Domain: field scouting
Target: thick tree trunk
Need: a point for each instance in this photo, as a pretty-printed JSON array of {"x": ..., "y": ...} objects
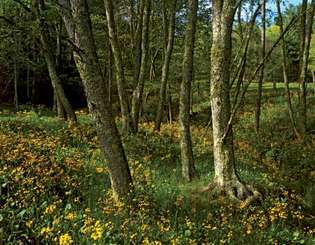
[
  {"x": 138, "y": 92},
  {"x": 187, "y": 160},
  {"x": 225, "y": 179},
  {"x": 121, "y": 81},
  {"x": 110, "y": 74},
  {"x": 285, "y": 75},
  {"x": 261, "y": 77},
  {"x": 166, "y": 66},
  {"x": 304, "y": 67},
  {"x": 78, "y": 26}
]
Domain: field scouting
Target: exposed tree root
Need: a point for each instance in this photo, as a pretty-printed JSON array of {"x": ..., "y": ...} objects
[{"x": 236, "y": 191}]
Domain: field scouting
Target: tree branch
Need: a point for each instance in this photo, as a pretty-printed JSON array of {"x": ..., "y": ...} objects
[{"x": 237, "y": 103}]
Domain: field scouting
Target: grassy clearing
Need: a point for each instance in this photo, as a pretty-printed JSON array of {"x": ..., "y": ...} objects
[{"x": 54, "y": 185}]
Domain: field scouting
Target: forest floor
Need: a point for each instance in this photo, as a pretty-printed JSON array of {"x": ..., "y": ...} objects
[{"x": 54, "y": 186}]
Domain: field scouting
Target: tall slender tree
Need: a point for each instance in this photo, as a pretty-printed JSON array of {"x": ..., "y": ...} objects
[
  {"x": 77, "y": 20},
  {"x": 187, "y": 160},
  {"x": 285, "y": 74},
  {"x": 263, "y": 53},
  {"x": 304, "y": 64},
  {"x": 120, "y": 74},
  {"x": 138, "y": 91},
  {"x": 166, "y": 65},
  {"x": 63, "y": 104}
]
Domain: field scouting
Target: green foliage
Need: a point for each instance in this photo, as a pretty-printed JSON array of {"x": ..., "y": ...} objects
[{"x": 55, "y": 185}]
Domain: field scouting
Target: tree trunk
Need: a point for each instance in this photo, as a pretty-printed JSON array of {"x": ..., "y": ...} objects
[
  {"x": 78, "y": 25},
  {"x": 62, "y": 100},
  {"x": 304, "y": 67},
  {"x": 137, "y": 42},
  {"x": 16, "y": 74},
  {"x": 110, "y": 74},
  {"x": 285, "y": 76},
  {"x": 166, "y": 66},
  {"x": 261, "y": 77},
  {"x": 187, "y": 159},
  {"x": 120, "y": 74},
  {"x": 302, "y": 33},
  {"x": 225, "y": 179},
  {"x": 138, "y": 92}
]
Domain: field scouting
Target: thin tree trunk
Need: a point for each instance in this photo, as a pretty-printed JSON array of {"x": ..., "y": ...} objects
[
  {"x": 261, "y": 77},
  {"x": 302, "y": 33},
  {"x": 187, "y": 159},
  {"x": 16, "y": 77},
  {"x": 138, "y": 92},
  {"x": 304, "y": 67},
  {"x": 62, "y": 99},
  {"x": 285, "y": 76},
  {"x": 166, "y": 66},
  {"x": 121, "y": 81},
  {"x": 137, "y": 44},
  {"x": 78, "y": 25}
]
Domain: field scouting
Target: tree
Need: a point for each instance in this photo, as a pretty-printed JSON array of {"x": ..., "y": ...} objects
[
  {"x": 187, "y": 160},
  {"x": 77, "y": 20},
  {"x": 62, "y": 100},
  {"x": 304, "y": 65},
  {"x": 285, "y": 74},
  {"x": 121, "y": 81},
  {"x": 138, "y": 91},
  {"x": 263, "y": 53},
  {"x": 166, "y": 64},
  {"x": 225, "y": 179}
]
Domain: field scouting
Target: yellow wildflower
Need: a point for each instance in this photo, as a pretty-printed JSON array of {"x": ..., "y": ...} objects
[
  {"x": 98, "y": 231},
  {"x": 71, "y": 216},
  {"x": 65, "y": 239},
  {"x": 50, "y": 209}
]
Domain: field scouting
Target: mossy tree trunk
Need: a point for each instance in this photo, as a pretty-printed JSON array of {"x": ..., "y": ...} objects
[
  {"x": 78, "y": 23},
  {"x": 121, "y": 81},
  {"x": 225, "y": 179},
  {"x": 187, "y": 160}
]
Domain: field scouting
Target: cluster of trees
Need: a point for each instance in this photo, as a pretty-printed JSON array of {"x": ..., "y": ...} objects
[{"x": 121, "y": 47}]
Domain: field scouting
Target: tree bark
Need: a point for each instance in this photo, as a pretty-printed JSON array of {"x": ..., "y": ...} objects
[
  {"x": 304, "y": 67},
  {"x": 187, "y": 159},
  {"x": 261, "y": 77},
  {"x": 138, "y": 92},
  {"x": 120, "y": 74},
  {"x": 285, "y": 75},
  {"x": 78, "y": 25},
  {"x": 225, "y": 178},
  {"x": 166, "y": 66}
]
